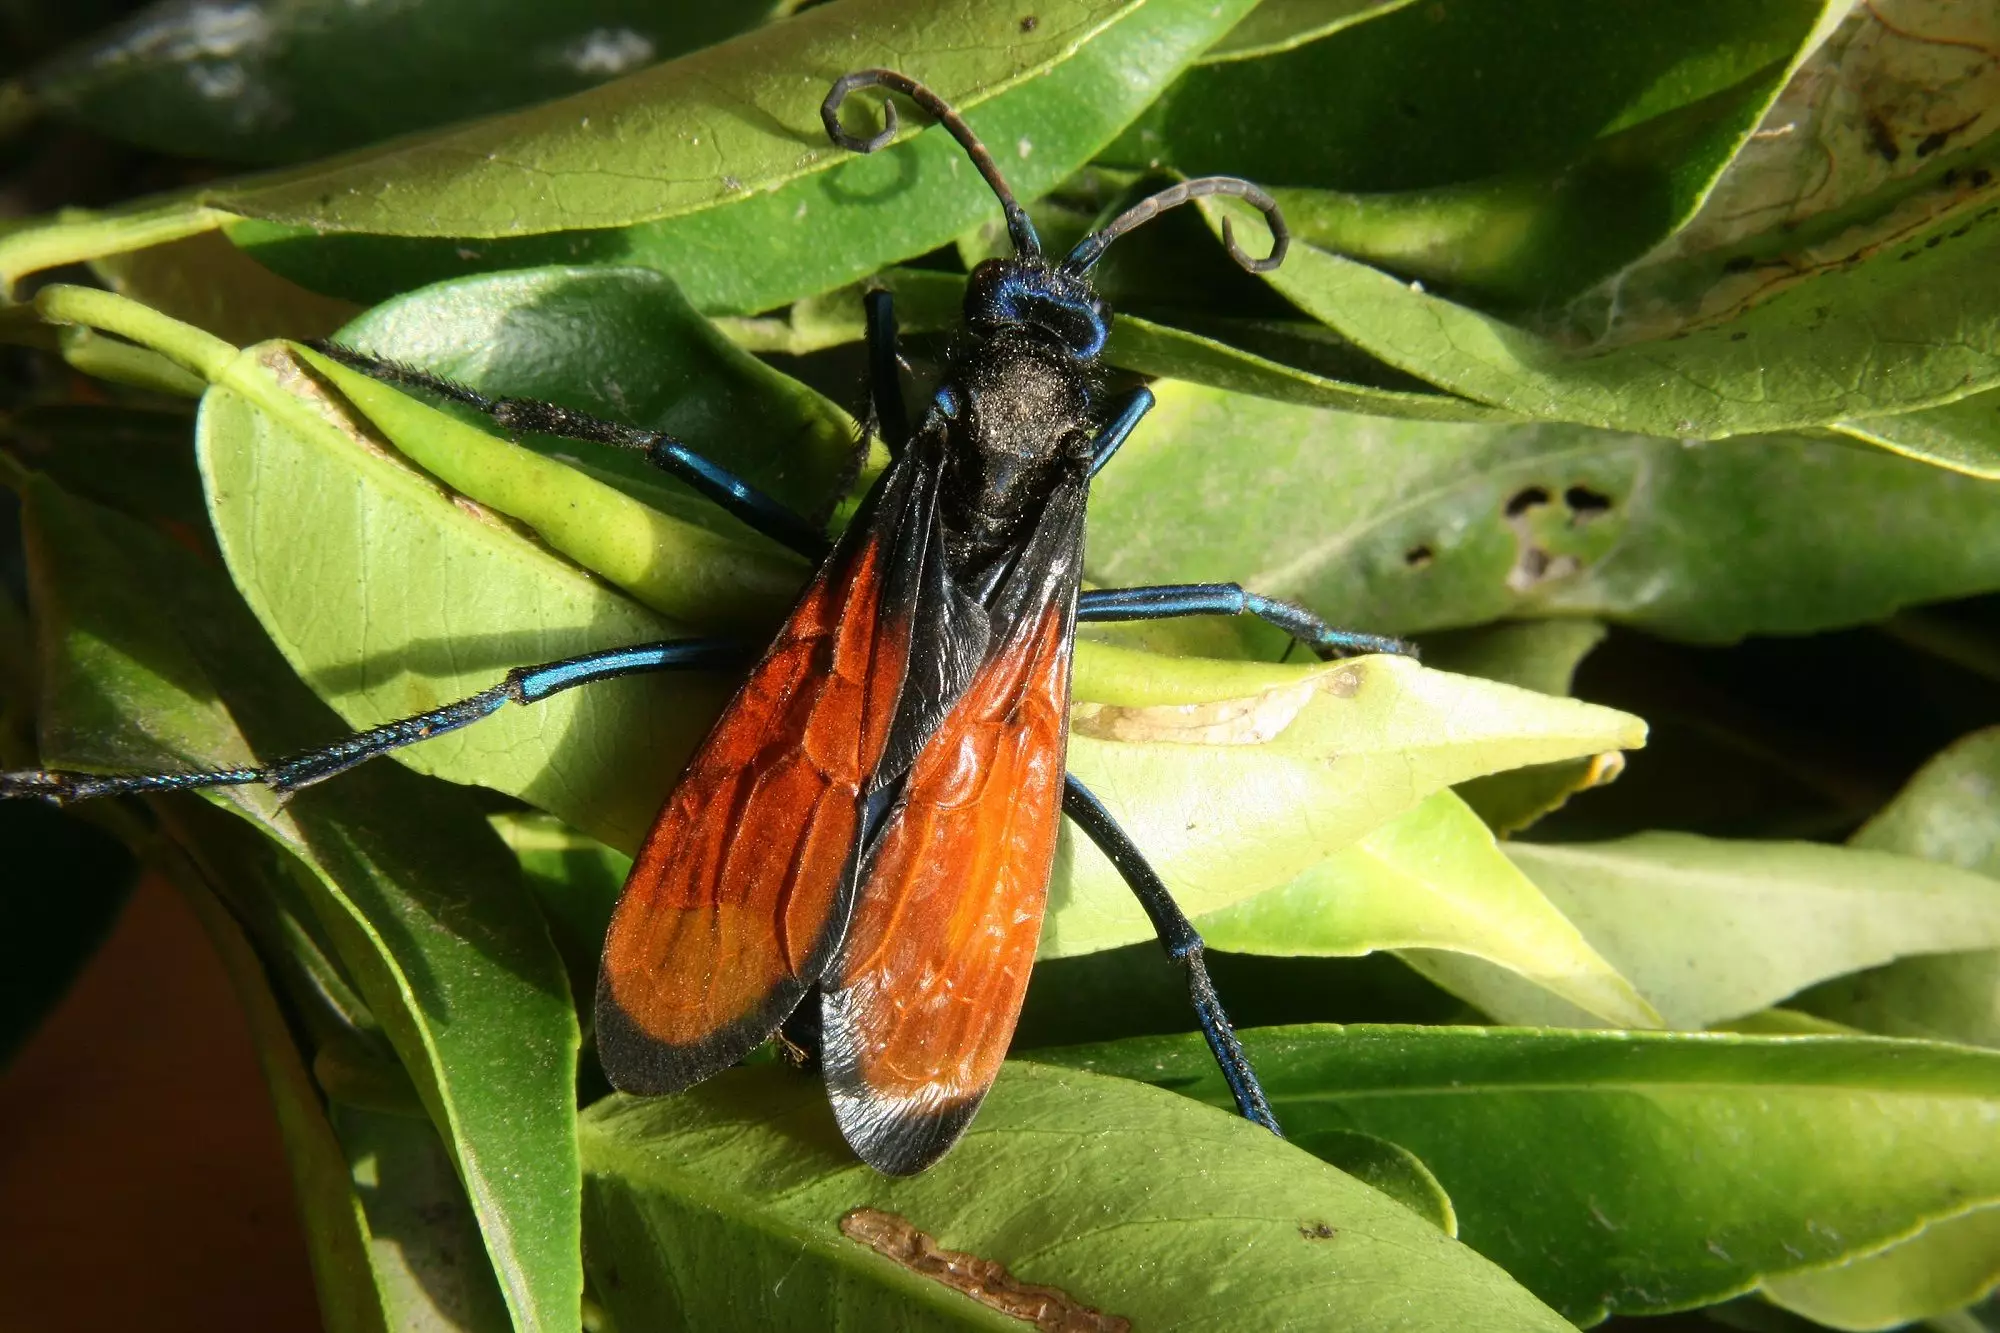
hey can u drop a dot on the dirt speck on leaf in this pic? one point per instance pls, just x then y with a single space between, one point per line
984 1280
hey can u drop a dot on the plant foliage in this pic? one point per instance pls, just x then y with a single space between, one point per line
1641 361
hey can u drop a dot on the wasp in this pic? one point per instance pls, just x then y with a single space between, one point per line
862 845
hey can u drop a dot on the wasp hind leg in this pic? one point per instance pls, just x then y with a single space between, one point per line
532 416
523 685
1182 943
1170 600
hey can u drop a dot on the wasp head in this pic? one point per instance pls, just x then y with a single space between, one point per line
1029 293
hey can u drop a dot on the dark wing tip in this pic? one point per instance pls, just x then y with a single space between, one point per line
638 1062
901 1136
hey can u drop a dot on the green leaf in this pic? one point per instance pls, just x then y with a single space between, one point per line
1396 1172
1944 815
1784 1152
304 512
1836 174
623 344
686 161
1433 879
1407 526
1423 95
1808 355
1710 929
205 281
423 1239
282 83
154 665
1238 777
704 131
1528 237
1539 655
724 1207
1519 152
1963 436
1281 25
1947 1265
1314 376
691 201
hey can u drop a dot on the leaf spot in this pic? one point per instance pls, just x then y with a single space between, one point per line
1254 720
984 1280
1316 1231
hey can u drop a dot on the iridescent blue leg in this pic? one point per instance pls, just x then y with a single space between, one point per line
1137 405
1169 600
532 416
1183 945
523 685
885 370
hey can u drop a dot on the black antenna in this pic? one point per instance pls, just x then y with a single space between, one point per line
1091 248
1018 227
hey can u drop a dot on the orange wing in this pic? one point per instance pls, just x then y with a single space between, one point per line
738 897
920 1005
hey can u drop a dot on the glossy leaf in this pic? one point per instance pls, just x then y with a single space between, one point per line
1236 778
1154 348
1806 356
1963 436
1837 172
154 665
272 82
1947 1265
1540 655
725 1206
1281 25
1564 79
727 123
1517 151
424 1242
622 344
1540 234
1784 1152
1710 929
650 158
205 281
302 507
1433 879
1944 815
1407 526
641 157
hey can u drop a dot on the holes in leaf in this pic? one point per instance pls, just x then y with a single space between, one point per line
1524 500
1419 556
1586 503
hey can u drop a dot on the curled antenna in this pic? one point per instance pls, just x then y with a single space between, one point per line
1091 248
1019 228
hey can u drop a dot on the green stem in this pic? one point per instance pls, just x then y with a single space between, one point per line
185 345
75 237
